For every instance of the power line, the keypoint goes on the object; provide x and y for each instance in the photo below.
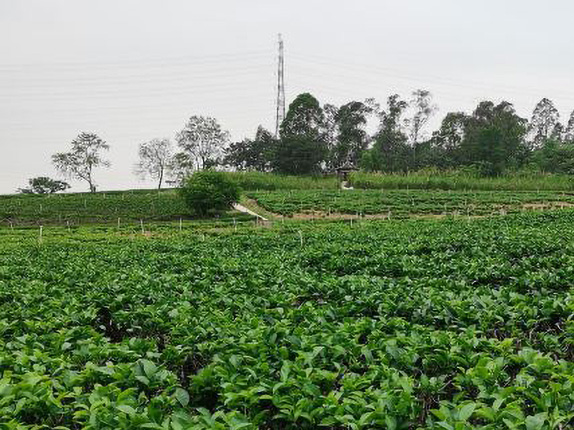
(135, 63)
(408, 76)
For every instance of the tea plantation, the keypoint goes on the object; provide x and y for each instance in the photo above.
(420, 324)
(404, 203)
(93, 208)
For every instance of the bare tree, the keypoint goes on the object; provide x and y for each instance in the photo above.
(83, 158)
(155, 159)
(202, 142)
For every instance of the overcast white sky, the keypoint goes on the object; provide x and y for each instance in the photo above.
(132, 70)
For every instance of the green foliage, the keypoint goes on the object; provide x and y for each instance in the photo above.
(398, 325)
(545, 123)
(255, 154)
(92, 207)
(84, 156)
(297, 155)
(269, 181)
(404, 203)
(44, 185)
(207, 192)
(155, 160)
(466, 179)
(390, 153)
(494, 138)
(201, 142)
(302, 148)
(351, 138)
(555, 156)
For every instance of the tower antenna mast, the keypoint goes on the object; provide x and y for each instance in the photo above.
(280, 88)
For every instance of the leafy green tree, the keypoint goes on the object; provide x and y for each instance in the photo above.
(330, 134)
(155, 159)
(302, 148)
(202, 142)
(83, 158)
(251, 154)
(207, 192)
(443, 149)
(494, 138)
(555, 157)
(352, 139)
(44, 185)
(569, 132)
(545, 123)
(391, 152)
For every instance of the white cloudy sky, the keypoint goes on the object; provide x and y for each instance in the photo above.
(132, 70)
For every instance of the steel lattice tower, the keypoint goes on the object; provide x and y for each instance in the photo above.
(280, 88)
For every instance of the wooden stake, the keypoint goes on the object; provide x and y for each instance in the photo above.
(142, 226)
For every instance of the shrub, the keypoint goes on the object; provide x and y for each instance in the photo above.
(44, 185)
(254, 181)
(208, 192)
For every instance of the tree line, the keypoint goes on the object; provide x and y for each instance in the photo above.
(490, 141)
(316, 139)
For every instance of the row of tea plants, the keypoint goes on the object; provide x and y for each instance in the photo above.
(403, 203)
(398, 325)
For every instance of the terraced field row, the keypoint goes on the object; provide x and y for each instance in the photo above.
(402, 203)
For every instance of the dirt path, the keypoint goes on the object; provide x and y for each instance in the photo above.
(243, 209)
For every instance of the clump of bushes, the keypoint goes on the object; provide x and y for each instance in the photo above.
(209, 192)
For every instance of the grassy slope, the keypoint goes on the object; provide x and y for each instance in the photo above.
(458, 181)
(133, 205)
(289, 194)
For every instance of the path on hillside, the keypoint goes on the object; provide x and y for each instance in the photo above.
(243, 209)
(346, 186)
